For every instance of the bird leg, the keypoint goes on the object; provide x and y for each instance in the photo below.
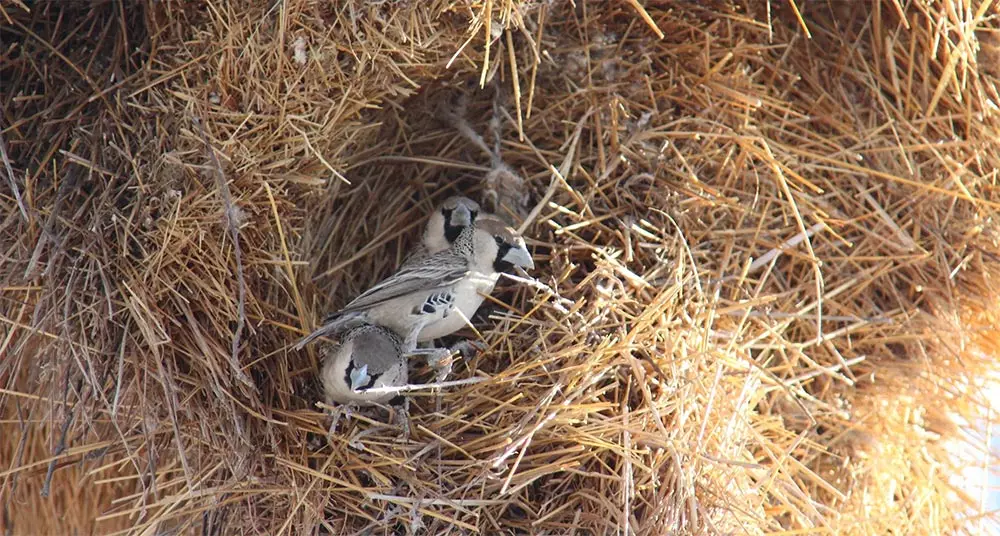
(343, 410)
(438, 359)
(411, 343)
(403, 419)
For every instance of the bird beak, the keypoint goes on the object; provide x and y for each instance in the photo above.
(461, 217)
(519, 256)
(359, 377)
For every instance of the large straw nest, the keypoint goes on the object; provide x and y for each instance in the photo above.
(771, 231)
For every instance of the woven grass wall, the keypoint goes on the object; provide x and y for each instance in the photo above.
(765, 231)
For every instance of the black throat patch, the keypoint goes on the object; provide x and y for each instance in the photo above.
(499, 264)
(451, 232)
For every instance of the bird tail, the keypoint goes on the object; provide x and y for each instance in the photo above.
(332, 325)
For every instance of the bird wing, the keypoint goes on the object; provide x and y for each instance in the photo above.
(433, 272)
(416, 257)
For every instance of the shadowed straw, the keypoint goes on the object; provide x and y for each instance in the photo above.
(765, 247)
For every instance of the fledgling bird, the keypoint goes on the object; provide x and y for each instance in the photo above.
(437, 295)
(444, 226)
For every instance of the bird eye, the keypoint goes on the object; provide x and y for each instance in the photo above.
(498, 240)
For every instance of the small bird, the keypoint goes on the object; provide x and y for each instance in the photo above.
(495, 248)
(444, 226)
(437, 295)
(368, 356)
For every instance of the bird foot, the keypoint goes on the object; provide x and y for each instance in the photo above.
(403, 420)
(355, 442)
(441, 361)
(343, 410)
(416, 519)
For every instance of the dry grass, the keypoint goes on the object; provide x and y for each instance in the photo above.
(772, 233)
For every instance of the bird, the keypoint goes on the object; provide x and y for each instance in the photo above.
(362, 370)
(444, 226)
(368, 356)
(437, 295)
(495, 248)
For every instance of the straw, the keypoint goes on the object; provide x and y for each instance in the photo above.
(765, 242)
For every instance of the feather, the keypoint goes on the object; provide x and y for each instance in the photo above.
(436, 271)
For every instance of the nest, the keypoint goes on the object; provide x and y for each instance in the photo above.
(764, 234)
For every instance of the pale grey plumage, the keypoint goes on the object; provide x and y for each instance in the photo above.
(419, 300)
(439, 270)
(491, 246)
(402, 302)
(367, 356)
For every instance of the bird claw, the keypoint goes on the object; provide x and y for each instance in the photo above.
(403, 419)
(416, 518)
(441, 361)
(392, 512)
(355, 442)
(341, 411)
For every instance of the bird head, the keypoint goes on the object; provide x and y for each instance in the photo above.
(500, 245)
(448, 221)
(457, 213)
